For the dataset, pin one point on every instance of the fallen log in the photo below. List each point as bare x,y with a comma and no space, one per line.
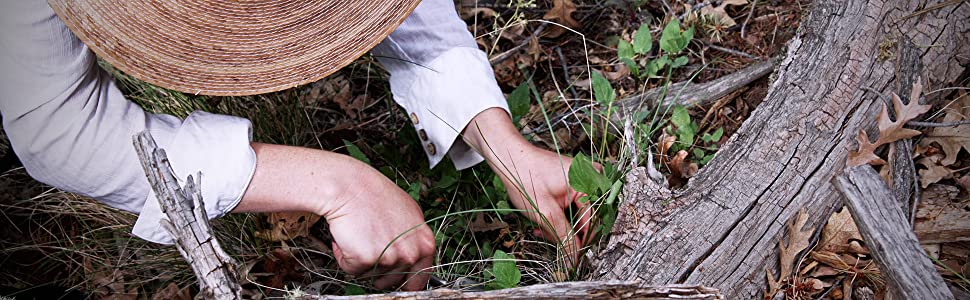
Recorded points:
889,237
723,229
563,290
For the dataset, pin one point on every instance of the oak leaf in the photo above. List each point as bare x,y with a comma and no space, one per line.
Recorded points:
889,130
839,231
479,224
952,139
680,167
285,226
562,14
798,240
934,172
718,11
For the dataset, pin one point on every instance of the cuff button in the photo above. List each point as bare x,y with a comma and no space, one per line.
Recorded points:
424,135
414,118
431,149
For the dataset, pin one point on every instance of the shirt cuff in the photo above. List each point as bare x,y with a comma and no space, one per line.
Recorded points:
442,98
219,147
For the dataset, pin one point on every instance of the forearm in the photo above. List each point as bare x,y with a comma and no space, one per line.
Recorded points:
297,179
493,134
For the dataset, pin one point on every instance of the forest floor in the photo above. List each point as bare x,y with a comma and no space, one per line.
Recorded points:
543,54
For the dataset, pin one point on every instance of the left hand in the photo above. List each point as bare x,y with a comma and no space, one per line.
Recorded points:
535,179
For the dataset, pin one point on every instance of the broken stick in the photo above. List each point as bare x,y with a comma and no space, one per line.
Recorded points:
188,223
887,233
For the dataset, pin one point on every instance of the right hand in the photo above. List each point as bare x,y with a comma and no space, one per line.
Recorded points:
379,231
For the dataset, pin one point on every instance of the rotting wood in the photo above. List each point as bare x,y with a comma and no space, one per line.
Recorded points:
940,219
563,290
188,223
889,237
723,228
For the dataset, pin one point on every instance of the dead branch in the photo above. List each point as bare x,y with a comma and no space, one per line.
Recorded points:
889,237
188,223
563,290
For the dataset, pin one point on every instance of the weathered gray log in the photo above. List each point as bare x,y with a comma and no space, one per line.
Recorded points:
890,239
688,94
723,229
941,219
563,290
188,223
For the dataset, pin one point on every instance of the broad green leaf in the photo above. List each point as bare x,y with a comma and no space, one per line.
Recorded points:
716,136
446,182
503,207
602,90
584,178
642,41
698,153
679,62
624,49
355,152
614,191
673,40
498,185
506,274
707,159
519,101
680,117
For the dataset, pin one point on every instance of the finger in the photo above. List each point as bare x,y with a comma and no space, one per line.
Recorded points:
561,233
420,274
391,279
585,218
346,263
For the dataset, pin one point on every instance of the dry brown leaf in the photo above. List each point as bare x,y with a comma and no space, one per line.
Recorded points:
718,11
934,171
830,259
287,225
798,238
561,13
952,139
281,267
964,182
479,224
889,131
838,231
666,141
680,167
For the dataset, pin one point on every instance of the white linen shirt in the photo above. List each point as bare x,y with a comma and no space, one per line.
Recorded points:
72,128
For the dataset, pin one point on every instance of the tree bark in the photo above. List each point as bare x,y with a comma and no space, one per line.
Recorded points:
564,290
188,223
890,239
722,229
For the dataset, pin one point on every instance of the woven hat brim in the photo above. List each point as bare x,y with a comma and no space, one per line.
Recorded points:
230,48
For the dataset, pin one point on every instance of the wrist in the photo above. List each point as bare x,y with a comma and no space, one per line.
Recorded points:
493,135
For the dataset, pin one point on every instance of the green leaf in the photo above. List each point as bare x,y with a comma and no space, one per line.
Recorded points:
355,152
415,190
519,101
503,207
614,191
698,153
706,159
624,49
709,138
673,40
353,290
506,274
642,41
632,65
602,89
584,178
446,182
656,65
680,117
679,62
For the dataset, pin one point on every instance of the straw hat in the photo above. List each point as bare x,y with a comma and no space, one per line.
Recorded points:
231,47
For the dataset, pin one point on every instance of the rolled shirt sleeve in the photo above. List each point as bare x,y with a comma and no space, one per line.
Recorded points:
441,78
72,128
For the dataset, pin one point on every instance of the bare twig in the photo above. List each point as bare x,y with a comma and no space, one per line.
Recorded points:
508,54
935,124
744,26
731,51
